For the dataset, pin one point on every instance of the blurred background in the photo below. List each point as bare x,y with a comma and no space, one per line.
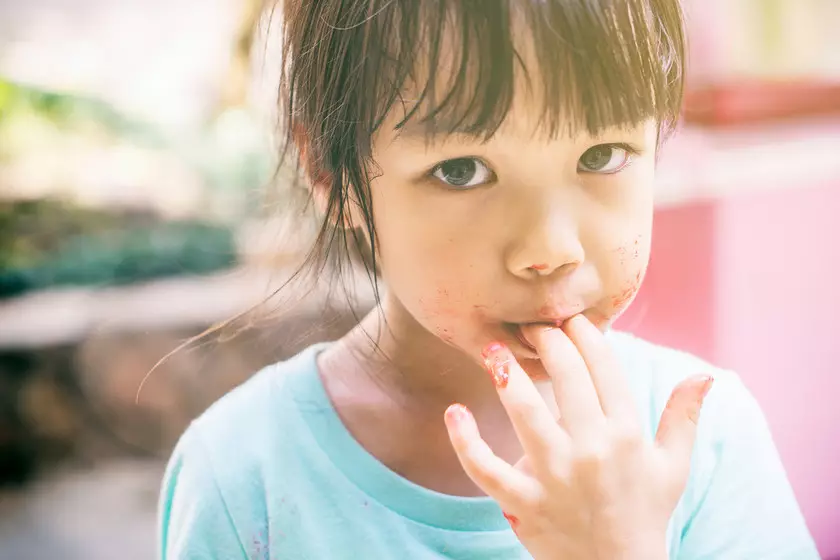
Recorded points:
135,150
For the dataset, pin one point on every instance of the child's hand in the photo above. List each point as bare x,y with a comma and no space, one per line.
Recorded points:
590,486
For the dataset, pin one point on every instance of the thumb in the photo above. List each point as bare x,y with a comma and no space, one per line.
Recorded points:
678,425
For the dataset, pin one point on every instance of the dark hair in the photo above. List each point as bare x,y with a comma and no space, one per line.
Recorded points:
348,63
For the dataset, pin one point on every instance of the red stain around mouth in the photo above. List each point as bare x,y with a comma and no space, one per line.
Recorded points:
625,296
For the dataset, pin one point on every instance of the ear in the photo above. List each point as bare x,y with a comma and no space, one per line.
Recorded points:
321,182
317,180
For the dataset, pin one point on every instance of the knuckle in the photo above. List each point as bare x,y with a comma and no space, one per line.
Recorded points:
625,436
593,454
526,413
556,468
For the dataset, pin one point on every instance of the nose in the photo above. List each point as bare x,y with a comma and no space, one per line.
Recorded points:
547,242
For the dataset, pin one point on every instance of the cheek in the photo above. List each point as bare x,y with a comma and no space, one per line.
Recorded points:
629,267
622,300
436,281
440,311
449,312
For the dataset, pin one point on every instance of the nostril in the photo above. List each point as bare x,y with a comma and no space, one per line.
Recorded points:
538,266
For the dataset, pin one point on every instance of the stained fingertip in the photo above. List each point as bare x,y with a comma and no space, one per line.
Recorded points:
694,389
682,411
702,385
459,420
705,383
497,360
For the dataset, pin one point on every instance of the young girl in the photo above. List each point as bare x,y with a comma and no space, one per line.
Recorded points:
496,158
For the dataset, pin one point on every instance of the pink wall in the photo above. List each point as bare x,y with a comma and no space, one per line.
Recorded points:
752,283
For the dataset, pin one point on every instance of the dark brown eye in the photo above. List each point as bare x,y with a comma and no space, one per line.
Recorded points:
462,172
605,158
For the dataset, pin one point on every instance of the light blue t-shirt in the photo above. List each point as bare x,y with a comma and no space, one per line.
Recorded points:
270,472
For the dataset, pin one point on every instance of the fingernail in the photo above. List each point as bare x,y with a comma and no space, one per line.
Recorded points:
703,387
457,412
459,418
706,382
497,360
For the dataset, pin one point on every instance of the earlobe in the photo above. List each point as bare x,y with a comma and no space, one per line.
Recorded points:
320,187
321,183
317,179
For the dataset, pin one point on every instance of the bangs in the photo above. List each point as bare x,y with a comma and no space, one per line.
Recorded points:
455,66
586,65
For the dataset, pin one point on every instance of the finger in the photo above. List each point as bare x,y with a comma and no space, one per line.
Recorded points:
580,410
609,382
678,425
512,488
542,439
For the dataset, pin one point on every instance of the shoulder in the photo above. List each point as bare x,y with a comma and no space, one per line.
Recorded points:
242,431
216,477
738,501
245,421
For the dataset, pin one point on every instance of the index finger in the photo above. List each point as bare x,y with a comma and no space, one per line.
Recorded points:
541,438
604,369
580,409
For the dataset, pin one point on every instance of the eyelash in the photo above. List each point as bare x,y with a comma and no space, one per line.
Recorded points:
632,153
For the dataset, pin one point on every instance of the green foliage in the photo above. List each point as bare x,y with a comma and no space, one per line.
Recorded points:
47,244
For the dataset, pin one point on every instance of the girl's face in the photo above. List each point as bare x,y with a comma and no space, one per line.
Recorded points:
476,238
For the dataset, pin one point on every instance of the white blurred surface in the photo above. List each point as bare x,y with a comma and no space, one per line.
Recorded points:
157,59
100,514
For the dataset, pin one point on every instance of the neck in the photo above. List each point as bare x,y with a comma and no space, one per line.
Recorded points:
391,380
413,366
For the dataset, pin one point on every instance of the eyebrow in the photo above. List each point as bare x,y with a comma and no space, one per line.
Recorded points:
414,131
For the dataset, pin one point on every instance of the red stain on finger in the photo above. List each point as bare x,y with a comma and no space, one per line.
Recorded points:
460,422
513,520
497,361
